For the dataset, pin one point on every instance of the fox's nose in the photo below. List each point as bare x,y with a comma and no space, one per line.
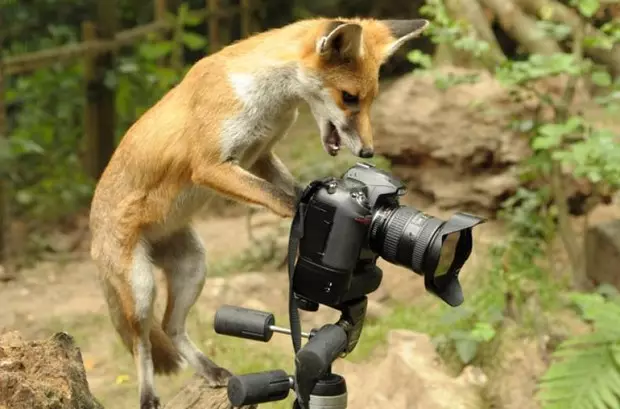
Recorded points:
366,153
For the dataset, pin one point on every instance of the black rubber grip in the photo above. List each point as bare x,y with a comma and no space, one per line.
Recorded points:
261,387
321,351
244,323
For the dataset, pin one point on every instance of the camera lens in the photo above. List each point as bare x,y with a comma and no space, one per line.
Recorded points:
447,253
408,237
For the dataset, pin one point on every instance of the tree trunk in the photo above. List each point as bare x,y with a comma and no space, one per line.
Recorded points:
60,377
521,27
559,13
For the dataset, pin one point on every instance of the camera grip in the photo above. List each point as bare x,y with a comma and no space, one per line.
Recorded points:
244,323
261,387
316,357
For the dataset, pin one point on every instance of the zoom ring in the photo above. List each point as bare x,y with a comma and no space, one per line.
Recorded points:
394,232
419,249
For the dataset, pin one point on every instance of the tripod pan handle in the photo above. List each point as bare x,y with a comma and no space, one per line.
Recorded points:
317,356
261,387
244,323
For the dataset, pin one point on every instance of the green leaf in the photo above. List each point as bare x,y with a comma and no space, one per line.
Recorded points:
581,378
483,332
588,7
545,142
418,57
601,78
194,41
466,349
154,51
193,18
598,41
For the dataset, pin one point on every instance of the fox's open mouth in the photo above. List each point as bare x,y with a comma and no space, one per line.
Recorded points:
332,140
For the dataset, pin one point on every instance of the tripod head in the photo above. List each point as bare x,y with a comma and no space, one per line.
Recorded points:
340,228
313,382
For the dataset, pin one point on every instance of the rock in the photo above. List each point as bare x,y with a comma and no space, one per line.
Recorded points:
514,367
410,376
603,253
49,374
43,374
456,148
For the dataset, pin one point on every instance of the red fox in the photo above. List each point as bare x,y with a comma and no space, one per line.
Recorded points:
214,134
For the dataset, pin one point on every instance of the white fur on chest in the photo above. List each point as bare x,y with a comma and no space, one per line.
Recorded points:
270,103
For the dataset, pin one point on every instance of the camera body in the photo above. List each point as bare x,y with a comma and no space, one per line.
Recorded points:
350,222
336,263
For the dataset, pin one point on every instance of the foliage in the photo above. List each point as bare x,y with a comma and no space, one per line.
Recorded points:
46,125
516,278
586,370
520,269
156,66
44,141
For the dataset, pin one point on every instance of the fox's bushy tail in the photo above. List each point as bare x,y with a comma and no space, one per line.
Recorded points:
166,358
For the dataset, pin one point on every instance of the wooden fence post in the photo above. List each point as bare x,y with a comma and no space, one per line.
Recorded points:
160,9
214,29
246,18
100,115
6,272
89,33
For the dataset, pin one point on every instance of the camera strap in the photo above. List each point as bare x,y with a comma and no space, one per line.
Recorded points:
295,236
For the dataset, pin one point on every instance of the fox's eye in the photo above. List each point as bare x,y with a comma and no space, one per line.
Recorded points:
349,98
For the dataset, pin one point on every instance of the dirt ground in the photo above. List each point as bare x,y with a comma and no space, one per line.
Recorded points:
56,296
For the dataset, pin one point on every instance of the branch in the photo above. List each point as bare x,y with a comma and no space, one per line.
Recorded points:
559,13
44,58
522,28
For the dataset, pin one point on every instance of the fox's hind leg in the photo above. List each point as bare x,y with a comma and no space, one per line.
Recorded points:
182,258
129,288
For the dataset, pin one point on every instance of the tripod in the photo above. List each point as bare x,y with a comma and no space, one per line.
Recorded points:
314,383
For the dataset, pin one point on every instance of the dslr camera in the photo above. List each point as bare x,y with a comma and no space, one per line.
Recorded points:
341,227
350,222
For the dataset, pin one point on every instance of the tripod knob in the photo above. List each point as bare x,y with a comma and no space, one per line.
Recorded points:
244,323
261,387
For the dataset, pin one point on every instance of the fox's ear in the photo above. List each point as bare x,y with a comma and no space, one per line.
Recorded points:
402,31
342,41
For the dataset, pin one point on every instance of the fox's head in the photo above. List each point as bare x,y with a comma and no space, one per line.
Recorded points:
340,76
